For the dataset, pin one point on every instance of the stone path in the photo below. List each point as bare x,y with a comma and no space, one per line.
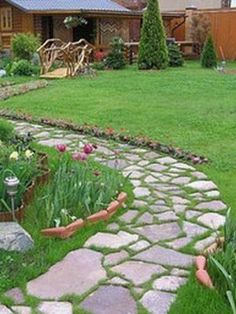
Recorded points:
141,258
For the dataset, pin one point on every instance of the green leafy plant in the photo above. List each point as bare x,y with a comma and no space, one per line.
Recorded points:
115,59
74,21
22,67
175,56
6,131
208,57
153,51
24,45
99,66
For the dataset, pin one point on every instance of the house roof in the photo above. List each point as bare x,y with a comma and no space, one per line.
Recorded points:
68,6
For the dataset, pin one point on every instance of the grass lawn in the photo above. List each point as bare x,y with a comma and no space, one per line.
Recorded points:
188,107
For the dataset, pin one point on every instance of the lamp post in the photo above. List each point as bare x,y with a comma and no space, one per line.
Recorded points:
11,184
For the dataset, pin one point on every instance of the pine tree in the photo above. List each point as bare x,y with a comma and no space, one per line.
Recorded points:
153,51
175,56
208,57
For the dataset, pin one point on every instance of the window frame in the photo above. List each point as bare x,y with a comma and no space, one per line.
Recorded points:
6,20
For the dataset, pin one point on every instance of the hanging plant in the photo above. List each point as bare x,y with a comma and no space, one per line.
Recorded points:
74,21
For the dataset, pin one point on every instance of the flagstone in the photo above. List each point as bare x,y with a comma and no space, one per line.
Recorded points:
181,180
157,167
52,142
16,295
5,310
166,160
199,175
192,230
139,246
110,299
77,273
146,218
167,216
164,256
141,192
183,166
115,258
212,220
213,194
192,214
179,272
20,309
202,185
50,307
168,283
212,206
138,272
129,216
111,241
179,243
201,245
156,233
158,302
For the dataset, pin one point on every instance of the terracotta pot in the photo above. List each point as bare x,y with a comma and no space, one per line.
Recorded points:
76,225
201,262
112,208
101,215
29,193
122,197
204,278
53,232
43,159
19,214
44,177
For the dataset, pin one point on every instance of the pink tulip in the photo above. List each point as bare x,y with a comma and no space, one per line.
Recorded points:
88,149
80,156
61,148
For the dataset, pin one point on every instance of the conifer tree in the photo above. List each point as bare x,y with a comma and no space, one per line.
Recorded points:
208,57
175,56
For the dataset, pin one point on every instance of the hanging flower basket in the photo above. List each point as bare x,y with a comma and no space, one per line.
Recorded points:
74,21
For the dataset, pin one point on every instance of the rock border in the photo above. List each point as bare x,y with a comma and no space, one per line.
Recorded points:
109,133
102,215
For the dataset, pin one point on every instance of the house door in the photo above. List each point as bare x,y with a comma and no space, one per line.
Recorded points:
86,31
47,28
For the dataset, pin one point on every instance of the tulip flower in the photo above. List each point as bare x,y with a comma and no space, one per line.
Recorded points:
28,153
88,149
61,148
14,156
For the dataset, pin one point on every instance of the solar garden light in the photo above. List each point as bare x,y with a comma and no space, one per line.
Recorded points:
11,184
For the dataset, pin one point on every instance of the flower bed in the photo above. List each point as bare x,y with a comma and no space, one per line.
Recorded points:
110,133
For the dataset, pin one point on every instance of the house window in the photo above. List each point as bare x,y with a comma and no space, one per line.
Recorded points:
6,19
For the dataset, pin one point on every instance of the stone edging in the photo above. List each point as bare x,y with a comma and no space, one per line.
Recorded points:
109,133
18,89
68,231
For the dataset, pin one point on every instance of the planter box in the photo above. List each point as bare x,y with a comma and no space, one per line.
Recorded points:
102,215
29,193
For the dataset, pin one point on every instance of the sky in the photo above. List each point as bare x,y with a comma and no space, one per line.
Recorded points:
233,2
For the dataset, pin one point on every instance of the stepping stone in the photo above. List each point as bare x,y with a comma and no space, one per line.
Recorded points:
179,200
156,233
111,241
134,168
212,220
167,216
181,180
113,227
192,230
129,216
14,238
5,310
179,243
118,281
159,208
141,192
179,272
167,160
133,174
213,206
16,295
52,142
143,163
115,258
178,208
110,299
42,135
202,185
150,179
201,245
69,276
213,194
199,175
164,256
183,166
192,214
132,157
19,309
116,164
146,218
104,150
151,155
135,182
49,307
140,203
139,246
157,167
138,272
169,283
158,302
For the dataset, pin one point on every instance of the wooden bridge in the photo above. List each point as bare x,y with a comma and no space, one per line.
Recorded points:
73,56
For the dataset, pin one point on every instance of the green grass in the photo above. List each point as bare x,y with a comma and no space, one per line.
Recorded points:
187,107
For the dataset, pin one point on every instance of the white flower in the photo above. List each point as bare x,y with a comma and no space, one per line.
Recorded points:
14,156
28,153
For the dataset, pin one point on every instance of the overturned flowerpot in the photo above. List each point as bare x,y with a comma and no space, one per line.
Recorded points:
102,215
204,278
8,216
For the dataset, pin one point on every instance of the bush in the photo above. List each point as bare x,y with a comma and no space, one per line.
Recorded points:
153,51
99,66
175,56
115,59
6,131
22,67
208,57
4,61
25,45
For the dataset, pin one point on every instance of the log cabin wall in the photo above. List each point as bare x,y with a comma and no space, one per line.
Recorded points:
18,22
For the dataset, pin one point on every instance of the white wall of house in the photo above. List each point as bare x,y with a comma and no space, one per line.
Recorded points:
169,5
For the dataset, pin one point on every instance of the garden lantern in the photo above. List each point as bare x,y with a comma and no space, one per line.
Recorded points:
11,184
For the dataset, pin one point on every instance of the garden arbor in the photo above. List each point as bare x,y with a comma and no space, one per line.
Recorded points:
73,55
